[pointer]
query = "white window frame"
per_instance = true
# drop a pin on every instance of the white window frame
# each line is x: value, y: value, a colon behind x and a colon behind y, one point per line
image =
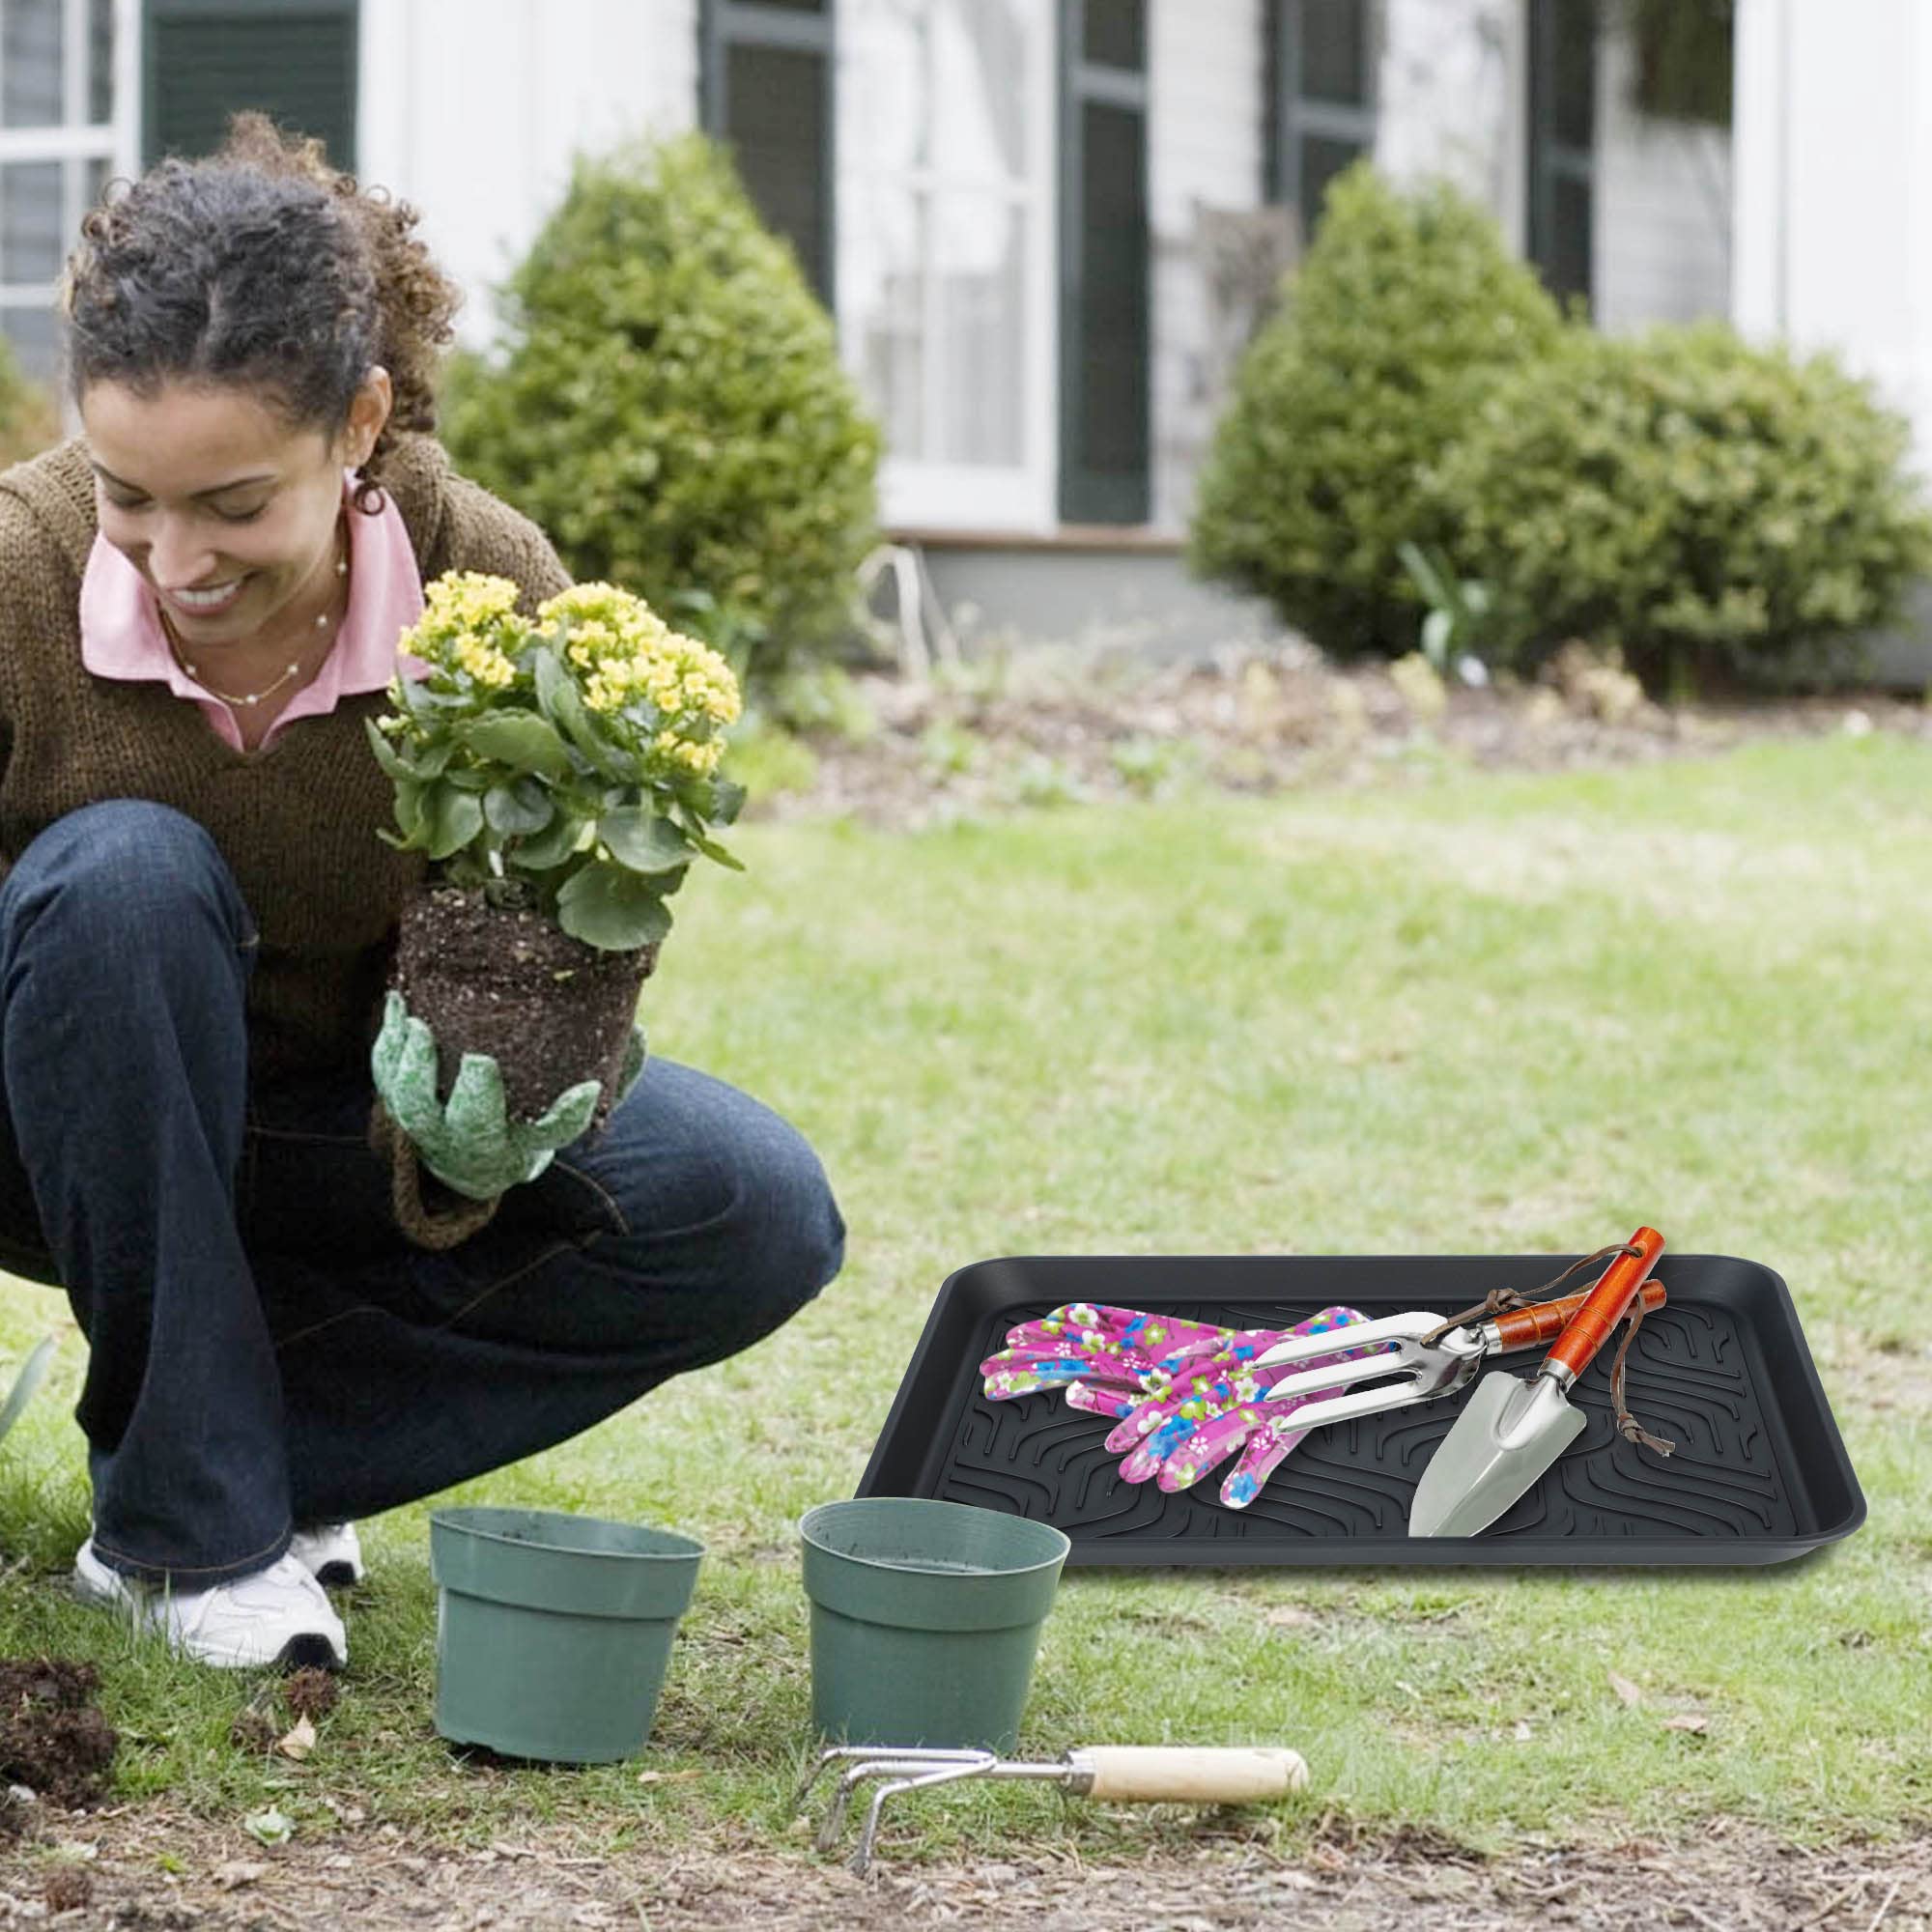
x: 75, y: 137
x: 1021, y: 497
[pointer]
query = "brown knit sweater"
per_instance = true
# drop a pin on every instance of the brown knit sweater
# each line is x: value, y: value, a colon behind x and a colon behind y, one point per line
x: 297, y: 821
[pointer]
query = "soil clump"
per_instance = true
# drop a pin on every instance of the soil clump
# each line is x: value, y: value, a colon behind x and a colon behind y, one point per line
x: 53, y: 1739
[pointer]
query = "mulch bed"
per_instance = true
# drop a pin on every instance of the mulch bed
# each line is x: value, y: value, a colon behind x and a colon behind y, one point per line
x: 1063, y: 725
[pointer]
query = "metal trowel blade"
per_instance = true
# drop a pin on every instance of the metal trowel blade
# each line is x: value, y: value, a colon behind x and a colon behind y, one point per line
x: 1510, y: 1430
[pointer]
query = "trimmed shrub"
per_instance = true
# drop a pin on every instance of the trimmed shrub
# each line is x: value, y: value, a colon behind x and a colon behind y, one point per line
x: 1704, y: 504
x: 29, y: 415
x: 666, y: 401
x: 1406, y: 311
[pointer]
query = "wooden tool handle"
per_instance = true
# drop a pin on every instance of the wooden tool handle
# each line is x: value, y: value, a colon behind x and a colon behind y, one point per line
x: 1605, y: 1306
x: 1522, y: 1327
x: 1189, y: 1775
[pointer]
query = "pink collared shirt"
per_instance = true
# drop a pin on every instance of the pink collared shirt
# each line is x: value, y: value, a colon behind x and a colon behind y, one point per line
x: 120, y: 634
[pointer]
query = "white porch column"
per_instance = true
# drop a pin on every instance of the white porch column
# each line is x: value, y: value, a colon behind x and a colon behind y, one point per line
x: 1833, y: 187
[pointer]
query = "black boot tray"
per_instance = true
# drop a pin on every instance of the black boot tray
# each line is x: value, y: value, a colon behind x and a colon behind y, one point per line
x: 1759, y: 1474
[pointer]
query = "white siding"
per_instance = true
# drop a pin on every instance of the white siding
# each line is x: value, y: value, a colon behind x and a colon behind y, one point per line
x: 1204, y: 150
x: 1454, y: 87
x: 473, y: 109
x: 1833, y: 184
x: 1664, y: 209
x: 1450, y: 105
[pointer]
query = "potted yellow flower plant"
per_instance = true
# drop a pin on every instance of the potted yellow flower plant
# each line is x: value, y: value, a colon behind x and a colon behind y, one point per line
x: 559, y: 774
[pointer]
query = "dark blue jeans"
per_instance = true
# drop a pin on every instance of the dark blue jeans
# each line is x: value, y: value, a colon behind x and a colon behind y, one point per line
x: 265, y: 1351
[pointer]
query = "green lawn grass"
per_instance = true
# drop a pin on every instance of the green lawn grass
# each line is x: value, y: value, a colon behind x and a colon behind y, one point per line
x: 1483, y: 1014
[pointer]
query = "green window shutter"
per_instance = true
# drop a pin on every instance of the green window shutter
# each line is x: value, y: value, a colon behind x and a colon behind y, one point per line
x: 1319, y: 57
x: 1105, y: 427
x: 205, y: 60
x: 765, y: 71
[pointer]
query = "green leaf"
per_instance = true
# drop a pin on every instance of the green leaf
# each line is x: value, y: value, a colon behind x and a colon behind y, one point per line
x: 1436, y: 628
x: 560, y: 698
x: 519, y: 739
x: 1422, y: 569
x: 33, y: 1371
x: 523, y: 806
x: 643, y: 841
x: 711, y: 849
x: 727, y: 800
x: 411, y: 695
x: 610, y: 908
x: 271, y: 1827
x: 433, y: 754
x: 426, y: 760
x: 451, y: 818
x: 548, y: 848
x: 408, y: 809
x: 429, y: 707
x: 394, y: 766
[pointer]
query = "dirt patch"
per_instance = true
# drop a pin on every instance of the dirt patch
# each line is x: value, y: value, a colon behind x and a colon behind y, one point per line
x: 1890, y: 1379
x: 54, y: 1743
x: 147, y: 1869
x: 1047, y: 726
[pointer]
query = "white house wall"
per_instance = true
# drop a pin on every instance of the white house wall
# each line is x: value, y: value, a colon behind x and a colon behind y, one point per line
x: 1834, y: 187
x: 1453, y: 92
x: 473, y: 109
x: 1204, y: 150
x: 1449, y: 93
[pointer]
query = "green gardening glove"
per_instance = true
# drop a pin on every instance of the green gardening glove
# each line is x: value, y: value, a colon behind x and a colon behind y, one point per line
x: 470, y: 1142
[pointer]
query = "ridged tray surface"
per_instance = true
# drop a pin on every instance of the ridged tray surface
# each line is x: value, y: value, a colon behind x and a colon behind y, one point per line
x: 1759, y: 1473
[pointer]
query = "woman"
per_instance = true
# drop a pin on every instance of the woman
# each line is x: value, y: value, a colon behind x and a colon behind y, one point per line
x: 200, y: 599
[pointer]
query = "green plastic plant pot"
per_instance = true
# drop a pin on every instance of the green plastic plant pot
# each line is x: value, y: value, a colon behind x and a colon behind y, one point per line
x: 925, y: 1619
x: 553, y: 1631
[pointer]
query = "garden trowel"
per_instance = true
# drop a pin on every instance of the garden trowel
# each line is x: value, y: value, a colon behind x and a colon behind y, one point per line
x: 1511, y: 1430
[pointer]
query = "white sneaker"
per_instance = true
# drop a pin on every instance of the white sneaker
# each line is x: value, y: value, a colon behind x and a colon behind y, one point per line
x: 277, y: 1615
x: 331, y: 1553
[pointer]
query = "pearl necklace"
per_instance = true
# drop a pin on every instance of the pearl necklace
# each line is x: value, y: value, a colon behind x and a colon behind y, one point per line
x: 247, y: 697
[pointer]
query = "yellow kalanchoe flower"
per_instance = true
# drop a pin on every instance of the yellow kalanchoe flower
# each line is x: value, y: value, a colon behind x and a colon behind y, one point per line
x: 688, y: 753
x: 470, y: 600
x: 631, y: 652
x: 484, y: 662
x: 620, y: 648
x: 468, y: 620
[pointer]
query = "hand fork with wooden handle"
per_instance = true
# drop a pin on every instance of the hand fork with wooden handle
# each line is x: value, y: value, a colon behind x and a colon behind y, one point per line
x: 1418, y: 1361
x: 1134, y: 1773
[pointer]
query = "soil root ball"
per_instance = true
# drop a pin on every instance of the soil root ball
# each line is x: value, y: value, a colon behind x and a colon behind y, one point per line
x: 550, y: 1009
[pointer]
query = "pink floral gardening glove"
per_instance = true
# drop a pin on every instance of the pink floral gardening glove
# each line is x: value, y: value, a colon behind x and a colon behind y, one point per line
x: 1218, y: 1409
x: 1185, y: 1395
x: 1117, y: 1349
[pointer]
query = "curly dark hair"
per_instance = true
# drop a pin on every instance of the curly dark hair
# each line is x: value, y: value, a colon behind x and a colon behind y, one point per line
x: 265, y: 267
